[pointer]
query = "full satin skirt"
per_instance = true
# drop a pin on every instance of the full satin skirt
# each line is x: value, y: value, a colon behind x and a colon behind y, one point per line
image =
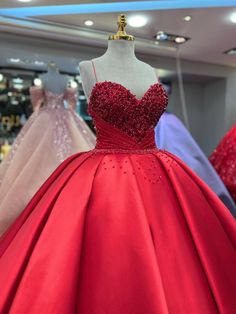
x: 120, y: 233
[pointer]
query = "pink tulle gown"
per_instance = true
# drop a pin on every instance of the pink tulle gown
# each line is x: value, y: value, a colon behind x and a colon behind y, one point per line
x: 51, y: 134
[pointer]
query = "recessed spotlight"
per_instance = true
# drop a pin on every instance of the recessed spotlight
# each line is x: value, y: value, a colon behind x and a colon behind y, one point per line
x: 161, y: 36
x: 24, y: 0
x: 137, y: 21
x: 231, y: 52
x: 170, y: 38
x: 188, y: 18
x: 180, y: 40
x: 37, y: 82
x: 88, y: 22
x: 233, y: 18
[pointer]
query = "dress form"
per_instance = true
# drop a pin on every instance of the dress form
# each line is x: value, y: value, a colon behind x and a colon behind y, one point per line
x: 119, y: 65
x: 53, y: 81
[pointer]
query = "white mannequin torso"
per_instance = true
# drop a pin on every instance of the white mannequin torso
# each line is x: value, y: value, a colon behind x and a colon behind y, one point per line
x: 119, y: 65
x: 53, y: 81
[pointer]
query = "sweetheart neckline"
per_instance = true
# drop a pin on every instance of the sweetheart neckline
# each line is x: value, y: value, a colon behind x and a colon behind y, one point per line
x: 126, y: 89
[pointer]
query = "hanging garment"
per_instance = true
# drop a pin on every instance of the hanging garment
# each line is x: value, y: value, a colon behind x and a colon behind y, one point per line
x: 51, y: 134
x: 172, y: 136
x: 223, y: 159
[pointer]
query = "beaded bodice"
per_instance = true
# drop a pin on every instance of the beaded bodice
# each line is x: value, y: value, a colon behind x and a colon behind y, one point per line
x: 121, y: 119
x: 53, y: 100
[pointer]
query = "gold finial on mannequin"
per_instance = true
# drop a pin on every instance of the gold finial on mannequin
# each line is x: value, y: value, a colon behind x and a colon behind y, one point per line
x: 121, y: 33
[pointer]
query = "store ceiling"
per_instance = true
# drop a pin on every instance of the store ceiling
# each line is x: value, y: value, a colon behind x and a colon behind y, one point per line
x: 211, y: 30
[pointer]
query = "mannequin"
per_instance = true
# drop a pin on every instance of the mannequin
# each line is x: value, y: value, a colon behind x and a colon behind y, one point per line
x: 123, y: 228
x: 53, y: 81
x: 119, y: 65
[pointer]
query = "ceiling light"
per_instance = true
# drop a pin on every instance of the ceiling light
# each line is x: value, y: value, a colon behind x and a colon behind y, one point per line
x: 37, y: 82
x: 161, y: 36
x: 233, y: 18
x: 170, y: 38
x: 88, y: 22
x: 14, y: 60
x: 73, y: 84
x: 188, y: 18
x: 39, y: 63
x: 231, y: 52
x: 24, y: 0
x: 17, y: 80
x: 137, y: 21
x: 180, y: 40
x: 18, y: 86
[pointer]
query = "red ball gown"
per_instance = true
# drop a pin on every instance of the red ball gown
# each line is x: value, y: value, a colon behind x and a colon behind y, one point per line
x: 223, y: 159
x: 124, y: 228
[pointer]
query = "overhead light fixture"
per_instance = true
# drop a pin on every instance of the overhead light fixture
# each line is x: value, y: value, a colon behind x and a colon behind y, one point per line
x: 37, y: 82
x: 137, y: 21
x: 88, y: 22
x: 187, y: 18
x: 161, y: 36
x: 233, y: 18
x: 24, y: 0
x: 39, y: 63
x: 14, y: 60
x: 18, y: 80
x: 73, y: 84
x: 231, y: 52
x: 180, y: 40
x: 18, y: 86
x: 175, y: 39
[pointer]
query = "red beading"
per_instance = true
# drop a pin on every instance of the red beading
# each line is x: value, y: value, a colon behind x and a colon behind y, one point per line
x: 123, y: 121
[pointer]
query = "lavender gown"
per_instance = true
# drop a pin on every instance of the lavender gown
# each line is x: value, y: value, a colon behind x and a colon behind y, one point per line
x: 51, y: 134
x: 171, y: 135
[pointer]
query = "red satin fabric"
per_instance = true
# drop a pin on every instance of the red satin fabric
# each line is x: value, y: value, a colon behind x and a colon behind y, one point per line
x: 125, y: 228
x: 224, y: 161
x: 120, y: 233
